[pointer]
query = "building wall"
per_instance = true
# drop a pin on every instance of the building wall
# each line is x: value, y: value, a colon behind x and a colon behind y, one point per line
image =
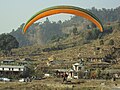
x: 11, y: 69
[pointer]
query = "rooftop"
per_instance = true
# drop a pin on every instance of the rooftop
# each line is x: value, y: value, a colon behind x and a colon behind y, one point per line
x: 9, y: 60
x: 76, y: 64
x: 8, y: 66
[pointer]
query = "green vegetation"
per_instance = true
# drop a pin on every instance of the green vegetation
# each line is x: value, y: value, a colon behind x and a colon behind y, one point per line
x: 111, y: 42
x: 8, y: 42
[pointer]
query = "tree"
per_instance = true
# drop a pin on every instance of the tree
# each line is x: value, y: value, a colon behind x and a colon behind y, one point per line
x: 95, y: 33
x: 8, y: 42
x: 88, y: 36
x: 75, y: 31
x: 98, y: 72
x: 60, y: 22
x: 47, y: 20
x: 93, y: 25
x: 111, y: 42
x: 101, y: 42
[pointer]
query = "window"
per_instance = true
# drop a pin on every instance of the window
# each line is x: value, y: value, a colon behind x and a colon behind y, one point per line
x: 75, y: 67
x: 79, y: 68
x: 19, y: 69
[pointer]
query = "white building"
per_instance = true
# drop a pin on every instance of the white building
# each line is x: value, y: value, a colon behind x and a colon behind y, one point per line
x: 6, y: 70
x: 8, y: 62
x: 72, y: 73
x: 12, y: 68
x: 77, y: 67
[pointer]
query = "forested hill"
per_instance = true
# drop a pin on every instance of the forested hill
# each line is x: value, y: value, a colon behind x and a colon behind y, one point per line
x: 107, y: 15
x: 42, y: 33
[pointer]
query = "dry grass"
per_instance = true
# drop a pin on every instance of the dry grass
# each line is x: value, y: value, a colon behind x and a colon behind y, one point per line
x: 55, y: 84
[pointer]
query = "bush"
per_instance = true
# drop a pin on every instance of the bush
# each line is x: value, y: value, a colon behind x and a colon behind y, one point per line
x: 111, y: 42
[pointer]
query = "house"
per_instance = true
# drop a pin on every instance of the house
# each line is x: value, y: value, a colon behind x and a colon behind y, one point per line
x: 26, y: 59
x: 10, y: 71
x: 72, y: 72
x: 113, y: 71
x: 95, y: 59
x: 8, y: 62
x: 77, y: 67
x: 100, y: 65
x: 61, y: 72
x: 23, y: 63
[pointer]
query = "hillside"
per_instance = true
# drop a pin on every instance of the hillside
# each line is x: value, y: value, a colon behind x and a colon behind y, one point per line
x: 42, y: 33
x: 74, y: 47
x: 70, y: 39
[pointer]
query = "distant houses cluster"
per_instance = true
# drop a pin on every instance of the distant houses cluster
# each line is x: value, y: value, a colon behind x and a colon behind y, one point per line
x: 86, y: 66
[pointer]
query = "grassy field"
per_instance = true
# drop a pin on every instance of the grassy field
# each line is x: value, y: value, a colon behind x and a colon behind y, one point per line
x: 56, y: 84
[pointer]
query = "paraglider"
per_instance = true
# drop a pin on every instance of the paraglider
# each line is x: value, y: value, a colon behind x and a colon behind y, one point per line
x: 64, y: 9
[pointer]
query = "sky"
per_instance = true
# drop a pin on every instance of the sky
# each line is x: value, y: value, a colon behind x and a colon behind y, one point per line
x: 15, y: 12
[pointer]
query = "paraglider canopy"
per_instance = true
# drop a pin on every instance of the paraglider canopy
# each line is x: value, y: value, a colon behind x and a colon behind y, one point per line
x: 64, y: 9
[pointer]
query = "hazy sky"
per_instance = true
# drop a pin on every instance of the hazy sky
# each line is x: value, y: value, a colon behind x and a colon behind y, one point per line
x: 15, y: 12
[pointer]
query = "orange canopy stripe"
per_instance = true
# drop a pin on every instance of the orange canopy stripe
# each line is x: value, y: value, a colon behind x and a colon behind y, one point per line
x: 69, y: 11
